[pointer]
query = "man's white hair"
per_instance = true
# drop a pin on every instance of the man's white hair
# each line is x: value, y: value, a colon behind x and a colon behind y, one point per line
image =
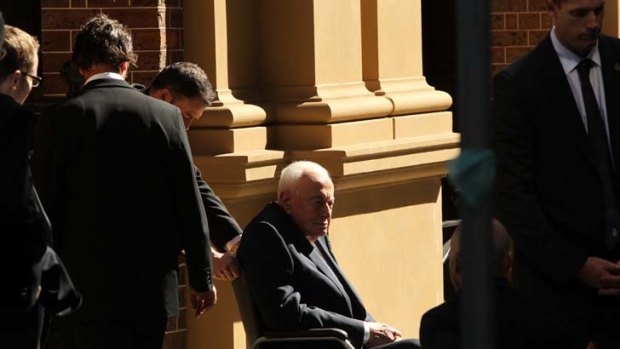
x: 293, y: 172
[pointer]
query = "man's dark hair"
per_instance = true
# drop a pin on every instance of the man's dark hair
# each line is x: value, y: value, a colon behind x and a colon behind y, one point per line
x: 70, y: 74
x: 103, y: 40
x: 185, y: 79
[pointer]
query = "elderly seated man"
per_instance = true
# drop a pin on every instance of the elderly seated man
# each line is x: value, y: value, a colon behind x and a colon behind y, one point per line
x: 291, y: 272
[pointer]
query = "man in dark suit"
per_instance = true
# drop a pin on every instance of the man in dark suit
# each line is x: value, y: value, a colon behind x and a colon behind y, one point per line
x: 187, y: 86
x: 518, y: 324
x: 116, y: 173
x: 556, y: 128
x: 291, y: 272
x: 34, y: 279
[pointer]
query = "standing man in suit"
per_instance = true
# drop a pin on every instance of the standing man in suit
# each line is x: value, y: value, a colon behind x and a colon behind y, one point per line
x: 518, y: 323
x: 117, y: 176
x: 291, y: 272
x: 187, y: 86
x: 34, y: 279
x: 557, y: 139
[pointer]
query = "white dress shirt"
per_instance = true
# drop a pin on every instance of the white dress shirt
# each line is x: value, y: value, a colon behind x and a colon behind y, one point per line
x: 106, y: 75
x: 569, y: 61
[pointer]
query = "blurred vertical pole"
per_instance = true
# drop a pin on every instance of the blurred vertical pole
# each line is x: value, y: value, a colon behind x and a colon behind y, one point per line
x: 477, y: 327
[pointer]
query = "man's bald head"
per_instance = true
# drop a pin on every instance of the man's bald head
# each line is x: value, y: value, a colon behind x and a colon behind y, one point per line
x: 502, y: 253
x: 306, y: 193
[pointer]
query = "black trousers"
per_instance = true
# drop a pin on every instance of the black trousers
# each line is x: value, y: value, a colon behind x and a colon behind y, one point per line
x: 604, y: 330
x: 21, y: 330
x: 145, y: 331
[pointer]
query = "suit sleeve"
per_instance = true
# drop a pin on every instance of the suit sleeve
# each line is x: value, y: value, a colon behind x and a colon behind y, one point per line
x: 269, y: 273
x: 516, y: 202
x: 222, y: 226
x: 194, y: 228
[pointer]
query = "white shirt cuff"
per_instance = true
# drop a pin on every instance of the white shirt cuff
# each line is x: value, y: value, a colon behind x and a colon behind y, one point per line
x: 230, y: 244
x: 366, y: 332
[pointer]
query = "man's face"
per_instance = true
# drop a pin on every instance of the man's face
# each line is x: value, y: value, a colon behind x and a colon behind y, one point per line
x: 191, y: 109
x: 309, y: 202
x: 578, y: 23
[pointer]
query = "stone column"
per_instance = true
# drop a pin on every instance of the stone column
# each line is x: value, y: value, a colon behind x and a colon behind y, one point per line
x: 229, y: 141
x: 221, y: 37
x: 312, y: 68
x: 392, y: 47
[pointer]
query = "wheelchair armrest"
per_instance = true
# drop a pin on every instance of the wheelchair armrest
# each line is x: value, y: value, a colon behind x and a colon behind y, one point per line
x: 311, y: 335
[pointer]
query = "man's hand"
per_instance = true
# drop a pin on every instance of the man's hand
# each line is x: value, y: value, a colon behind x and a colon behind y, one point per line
x: 225, y: 266
x: 602, y: 275
x: 381, y: 334
x: 202, y: 301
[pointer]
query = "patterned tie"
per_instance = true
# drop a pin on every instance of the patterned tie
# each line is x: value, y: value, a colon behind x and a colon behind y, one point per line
x: 600, y: 149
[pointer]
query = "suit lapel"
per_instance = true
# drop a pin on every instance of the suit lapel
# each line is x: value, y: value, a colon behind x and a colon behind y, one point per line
x: 326, y: 266
x: 330, y: 272
x: 561, y: 97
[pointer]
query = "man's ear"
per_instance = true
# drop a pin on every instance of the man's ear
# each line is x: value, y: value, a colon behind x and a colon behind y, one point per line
x: 124, y: 67
x: 162, y: 94
x: 284, y: 199
x: 11, y: 82
x: 16, y: 77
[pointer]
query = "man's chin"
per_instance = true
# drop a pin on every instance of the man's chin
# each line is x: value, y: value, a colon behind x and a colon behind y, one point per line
x: 317, y: 234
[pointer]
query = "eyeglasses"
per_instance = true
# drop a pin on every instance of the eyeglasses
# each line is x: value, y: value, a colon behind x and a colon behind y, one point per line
x: 36, y: 80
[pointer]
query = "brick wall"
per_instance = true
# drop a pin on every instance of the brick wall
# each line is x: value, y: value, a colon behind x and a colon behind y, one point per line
x: 156, y: 27
x: 516, y: 27
x: 157, y: 31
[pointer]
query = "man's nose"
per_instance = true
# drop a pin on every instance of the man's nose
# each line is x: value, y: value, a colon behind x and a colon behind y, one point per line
x: 326, y: 211
x: 593, y: 20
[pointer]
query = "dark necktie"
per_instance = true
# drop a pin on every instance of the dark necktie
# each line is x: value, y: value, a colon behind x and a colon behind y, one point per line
x: 600, y: 149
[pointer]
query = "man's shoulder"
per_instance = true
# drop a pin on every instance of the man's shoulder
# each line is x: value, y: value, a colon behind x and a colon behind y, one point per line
x: 267, y: 219
x: 527, y: 64
x: 439, y: 320
x: 611, y: 40
x: 125, y: 94
x: 610, y: 44
x: 10, y: 108
x: 447, y: 310
x: 261, y: 237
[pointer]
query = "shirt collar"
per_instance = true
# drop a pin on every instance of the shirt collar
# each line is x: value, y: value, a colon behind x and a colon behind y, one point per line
x: 568, y: 58
x: 106, y: 75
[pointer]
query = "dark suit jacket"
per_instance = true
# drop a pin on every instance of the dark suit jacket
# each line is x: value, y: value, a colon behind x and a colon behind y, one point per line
x: 549, y: 194
x: 222, y: 225
x: 26, y: 263
x: 288, y: 282
x: 23, y: 230
x: 116, y: 174
x: 518, y: 324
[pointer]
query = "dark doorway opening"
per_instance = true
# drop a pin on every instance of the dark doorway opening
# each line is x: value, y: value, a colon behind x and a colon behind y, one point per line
x: 439, y: 56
